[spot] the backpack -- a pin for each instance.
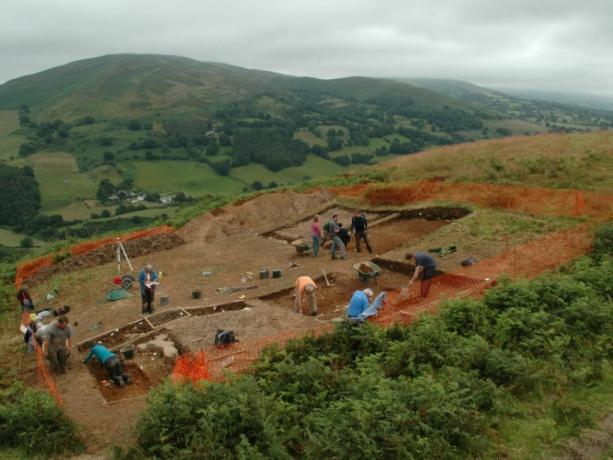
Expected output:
(327, 227)
(223, 338)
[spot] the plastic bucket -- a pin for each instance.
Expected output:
(128, 351)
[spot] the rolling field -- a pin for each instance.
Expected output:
(166, 176)
(11, 239)
(60, 181)
(314, 167)
(9, 143)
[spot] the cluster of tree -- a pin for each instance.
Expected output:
(44, 134)
(20, 195)
(257, 185)
(354, 158)
(271, 147)
(45, 227)
(136, 125)
(126, 208)
(106, 189)
(435, 389)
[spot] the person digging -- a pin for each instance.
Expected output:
(58, 344)
(148, 280)
(425, 269)
(111, 363)
(304, 290)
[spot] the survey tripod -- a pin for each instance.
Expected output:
(121, 251)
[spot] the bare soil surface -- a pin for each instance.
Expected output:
(222, 249)
(258, 320)
(592, 444)
(332, 300)
(140, 383)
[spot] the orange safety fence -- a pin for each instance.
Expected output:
(532, 200)
(526, 260)
(213, 362)
(30, 267)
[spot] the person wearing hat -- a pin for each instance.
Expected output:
(304, 291)
(111, 363)
(148, 280)
(359, 308)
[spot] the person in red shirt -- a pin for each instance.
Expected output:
(316, 235)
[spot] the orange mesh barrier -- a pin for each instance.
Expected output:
(44, 375)
(29, 268)
(191, 367)
(532, 200)
(527, 260)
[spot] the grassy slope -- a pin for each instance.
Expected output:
(582, 161)
(193, 178)
(60, 181)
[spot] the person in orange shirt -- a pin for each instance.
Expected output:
(304, 290)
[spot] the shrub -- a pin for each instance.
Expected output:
(31, 420)
(26, 242)
(603, 242)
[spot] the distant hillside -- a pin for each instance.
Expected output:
(592, 101)
(145, 84)
(160, 126)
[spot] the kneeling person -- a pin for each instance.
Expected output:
(359, 308)
(111, 363)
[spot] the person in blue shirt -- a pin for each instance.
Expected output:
(425, 268)
(148, 280)
(359, 308)
(111, 363)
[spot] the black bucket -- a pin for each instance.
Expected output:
(277, 273)
(264, 273)
(196, 294)
(127, 351)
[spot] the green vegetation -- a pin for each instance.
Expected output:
(20, 197)
(464, 384)
(31, 422)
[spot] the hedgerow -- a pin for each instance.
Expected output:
(436, 389)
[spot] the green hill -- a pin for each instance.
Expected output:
(158, 124)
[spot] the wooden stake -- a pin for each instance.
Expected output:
(325, 277)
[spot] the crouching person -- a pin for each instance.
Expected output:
(304, 290)
(111, 363)
(359, 308)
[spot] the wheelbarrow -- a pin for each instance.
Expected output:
(367, 270)
(302, 247)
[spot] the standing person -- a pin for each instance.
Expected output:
(425, 268)
(111, 363)
(359, 308)
(58, 344)
(316, 235)
(305, 287)
(148, 280)
(336, 240)
(359, 227)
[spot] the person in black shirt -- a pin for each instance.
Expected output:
(359, 227)
(425, 268)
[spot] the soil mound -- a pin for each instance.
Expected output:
(106, 254)
(260, 214)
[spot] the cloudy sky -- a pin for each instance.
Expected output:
(558, 45)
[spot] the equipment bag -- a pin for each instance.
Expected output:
(223, 337)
